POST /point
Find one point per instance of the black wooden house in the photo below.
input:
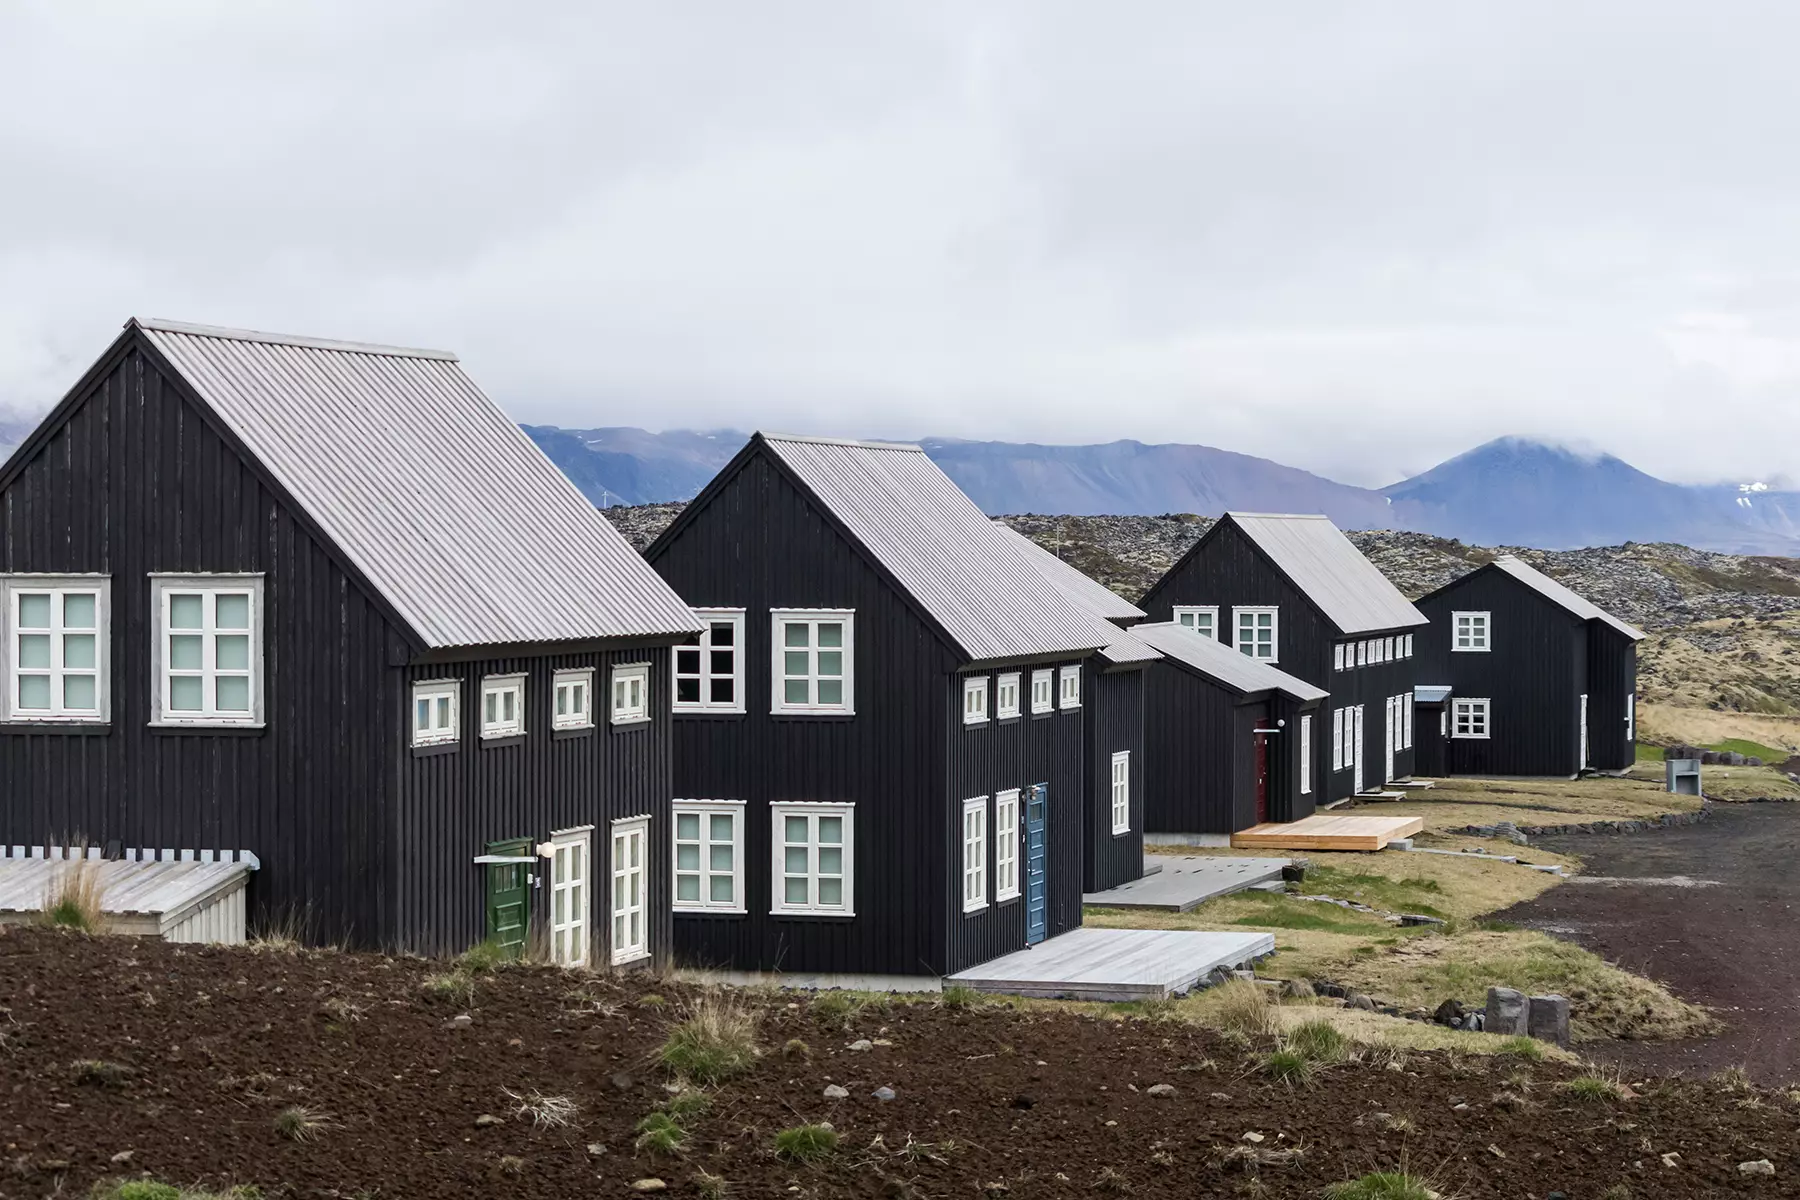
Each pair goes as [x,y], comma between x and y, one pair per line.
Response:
[325,603]
[1230,739]
[879,760]
[1522,676]
[1293,591]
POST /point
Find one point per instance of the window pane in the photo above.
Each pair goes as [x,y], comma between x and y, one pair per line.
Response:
[687,660]
[831,691]
[723,633]
[720,830]
[794,830]
[79,612]
[831,830]
[443,713]
[795,663]
[78,651]
[723,661]
[831,860]
[687,887]
[831,892]
[687,826]
[421,714]
[831,662]
[562,700]
[720,857]
[687,691]
[721,889]
[509,704]
[78,692]
[798,634]
[232,611]
[34,611]
[831,633]
[185,652]
[687,857]
[795,860]
[797,691]
[233,693]
[34,691]
[794,891]
[490,707]
[233,651]
[186,612]
[724,691]
[34,651]
[185,693]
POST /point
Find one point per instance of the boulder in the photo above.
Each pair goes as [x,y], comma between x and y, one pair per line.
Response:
[1450,1013]
[1548,1020]
[1507,1012]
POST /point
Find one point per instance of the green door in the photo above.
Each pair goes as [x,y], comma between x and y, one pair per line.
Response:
[509,896]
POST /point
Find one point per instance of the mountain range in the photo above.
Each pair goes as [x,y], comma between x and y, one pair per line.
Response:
[1510,491]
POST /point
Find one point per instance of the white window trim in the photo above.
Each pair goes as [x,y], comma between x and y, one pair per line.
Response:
[618,954]
[1068,691]
[580,844]
[1256,610]
[778,618]
[1121,795]
[162,585]
[1337,657]
[1487,717]
[1048,704]
[1406,722]
[625,673]
[710,617]
[1337,739]
[1003,710]
[1209,611]
[1487,632]
[1408,640]
[1631,716]
[434,690]
[10,587]
[1306,756]
[584,719]
[500,729]
[975,700]
[1006,845]
[1362,654]
[974,841]
[705,810]
[778,812]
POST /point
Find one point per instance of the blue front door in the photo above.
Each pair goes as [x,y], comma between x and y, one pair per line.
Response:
[1036,878]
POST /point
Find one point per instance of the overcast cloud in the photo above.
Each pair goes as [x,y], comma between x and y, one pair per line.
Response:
[1353,238]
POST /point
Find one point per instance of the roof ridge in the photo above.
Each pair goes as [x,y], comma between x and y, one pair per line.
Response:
[1279,516]
[907,447]
[286,339]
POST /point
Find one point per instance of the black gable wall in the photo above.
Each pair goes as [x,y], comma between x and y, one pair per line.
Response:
[137,482]
[1115,722]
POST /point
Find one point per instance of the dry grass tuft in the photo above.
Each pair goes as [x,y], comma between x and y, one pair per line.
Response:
[716,1040]
[1238,1006]
[297,1123]
[94,1072]
[806,1143]
[544,1112]
[72,899]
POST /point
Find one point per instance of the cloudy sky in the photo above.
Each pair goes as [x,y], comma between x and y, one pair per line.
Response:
[1354,238]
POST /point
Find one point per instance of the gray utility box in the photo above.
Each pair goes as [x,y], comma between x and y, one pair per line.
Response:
[1684,776]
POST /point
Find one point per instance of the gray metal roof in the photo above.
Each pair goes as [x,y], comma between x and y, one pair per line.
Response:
[1351,591]
[1574,602]
[126,888]
[461,524]
[1121,648]
[1432,693]
[1216,660]
[940,548]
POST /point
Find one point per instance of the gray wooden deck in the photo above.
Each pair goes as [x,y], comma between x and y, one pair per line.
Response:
[1185,881]
[1115,964]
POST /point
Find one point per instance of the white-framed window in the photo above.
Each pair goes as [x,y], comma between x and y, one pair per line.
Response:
[709,675]
[1201,618]
[1399,722]
[436,715]
[815,858]
[1337,657]
[975,855]
[630,854]
[574,693]
[1006,696]
[1389,649]
[1306,756]
[1257,630]
[1043,691]
[1407,651]
[1406,723]
[1468,717]
[1337,739]
[502,706]
[630,693]
[1443,722]
[1069,691]
[1121,792]
[709,856]
[975,700]
[569,899]
[55,655]
[815,660]
[207,652]
[1006,844]
[1469,631]
[1631,717]
[1362,654]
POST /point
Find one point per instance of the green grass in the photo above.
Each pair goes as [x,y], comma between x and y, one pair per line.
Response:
[484,958]
[1288,1066]
[451,987]
[716,1042]
[151,1189]
[1276,911]
[1649,753]
[1769,754]
[806,1143]
[1524,1047]
[1590,1087]
[1318,1041]
[961,996]
[1415,894]
[660,1133]
[1382,1185]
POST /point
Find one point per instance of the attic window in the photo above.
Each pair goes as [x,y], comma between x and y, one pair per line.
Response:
[631,694]
[434,720]
[207,650]
[815,660]
[502,706]
[54,655]
[1471,631]
[1071,687]
[709,676]
[1257,631]
[574,700]
[1043,691]
[1362,654]
[975,701]
[1006,696]
[1201,619]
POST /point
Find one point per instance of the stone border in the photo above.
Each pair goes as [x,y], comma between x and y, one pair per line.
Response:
[1518,833]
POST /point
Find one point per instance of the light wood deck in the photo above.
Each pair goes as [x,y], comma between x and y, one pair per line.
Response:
[1328,832]
[1115,964]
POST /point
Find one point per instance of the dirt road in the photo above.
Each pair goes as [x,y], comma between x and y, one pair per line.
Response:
[1710,911]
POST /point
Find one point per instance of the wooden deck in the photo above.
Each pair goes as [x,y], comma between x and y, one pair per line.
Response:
[1328,831]
[1115,964]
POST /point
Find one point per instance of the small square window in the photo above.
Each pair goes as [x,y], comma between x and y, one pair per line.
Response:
[574,700]
[814,660]
[435,715]
[1202,619]
[1043,691]
[55,647]
[631,694]
[1468,718]
[975,701]
[709,675]
[1257,630]
[1469,631]
[1006,696]
[502,706]
[1070,695]
[207,650]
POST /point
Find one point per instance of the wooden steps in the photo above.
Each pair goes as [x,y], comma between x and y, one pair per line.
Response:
[1328,832]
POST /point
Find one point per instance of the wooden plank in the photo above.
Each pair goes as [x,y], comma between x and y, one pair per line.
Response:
[1328,832]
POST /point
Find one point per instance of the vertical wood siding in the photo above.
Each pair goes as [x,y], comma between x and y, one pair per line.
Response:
[1115,722]
[1612,680]
[1200,754]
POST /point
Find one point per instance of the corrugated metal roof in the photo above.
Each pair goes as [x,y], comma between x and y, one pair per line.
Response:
[1322,562]
[1435,693]
[461,524]
[1216,660]
[126,888]
[941,549]
[1103,602]
[1577,604]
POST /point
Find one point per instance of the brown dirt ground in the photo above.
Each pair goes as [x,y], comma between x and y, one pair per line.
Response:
[995,1102]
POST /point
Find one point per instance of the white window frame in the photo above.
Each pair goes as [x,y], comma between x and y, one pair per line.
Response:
[620,949]
[1478,709]
[707,676]
[1479,635]
[1337,739]
[1390,649]
[577,681]
[1406,722]
[779,812]
[779,620]
[499,685]
[1273,612]
[1068,692]
[974,854]
[163,588]
[1006,696]
[1337,657]
[704,871]
[1631,716]
[1121,792]
[1305,756]
[59,588]
[1006,845]
[1197,611]
[432,691]
[1408,648]
[627,713]
[1043,692]
[1362,654]
[571,939]
[975,700]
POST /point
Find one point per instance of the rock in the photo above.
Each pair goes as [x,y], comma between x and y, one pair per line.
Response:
[462,1021]
[861,1044]
[1358,1000]
[649,1185]
[1459,1108]
[1221,1097]
[595,1149]
[1672,1159]
[1160,1089]
[1507,1012]
[883,1094]
[1419,919]
[488,1120]
[1475,1022]
[1450,1013]
[834,1092]
[1295,872]
[1255,1139]
[1548,1019]
[623,1081]
[1249,975]
[1761,1166]
[121,1158]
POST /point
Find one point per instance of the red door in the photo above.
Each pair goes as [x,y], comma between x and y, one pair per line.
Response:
[1262,778]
